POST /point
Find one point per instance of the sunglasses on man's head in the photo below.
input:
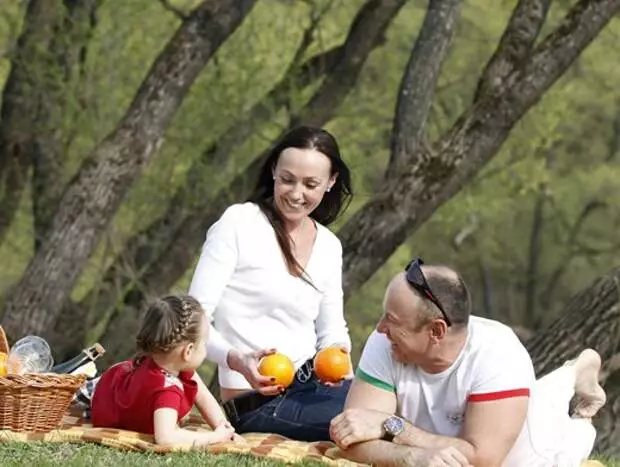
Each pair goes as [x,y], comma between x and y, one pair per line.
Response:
[416,279]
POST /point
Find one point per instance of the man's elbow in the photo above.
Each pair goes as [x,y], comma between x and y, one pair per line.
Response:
[487,459]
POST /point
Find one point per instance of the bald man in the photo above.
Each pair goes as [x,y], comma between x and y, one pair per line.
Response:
[436,386]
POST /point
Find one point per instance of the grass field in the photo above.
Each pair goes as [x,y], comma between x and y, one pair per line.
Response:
[74,455]
[46,454]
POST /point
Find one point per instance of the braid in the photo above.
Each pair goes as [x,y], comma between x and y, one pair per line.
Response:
[167,323]
[184,317]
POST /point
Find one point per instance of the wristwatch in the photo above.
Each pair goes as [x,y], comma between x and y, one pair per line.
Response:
[393,426]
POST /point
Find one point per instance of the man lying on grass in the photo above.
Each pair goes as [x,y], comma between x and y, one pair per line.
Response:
[438,387]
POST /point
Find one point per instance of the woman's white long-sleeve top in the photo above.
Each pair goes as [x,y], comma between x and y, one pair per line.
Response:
[242,280]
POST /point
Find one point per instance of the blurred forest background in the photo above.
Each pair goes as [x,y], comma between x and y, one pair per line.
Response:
[478,133]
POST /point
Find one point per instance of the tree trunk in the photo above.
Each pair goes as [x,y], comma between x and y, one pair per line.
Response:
[515,46]
[72,30]
[607,421]
[417,87]
[532,279]
[96,192]
[592,319]
[176,257]
[435,173]
[32,102]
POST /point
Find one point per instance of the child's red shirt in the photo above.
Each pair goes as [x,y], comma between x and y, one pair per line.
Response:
[127,396]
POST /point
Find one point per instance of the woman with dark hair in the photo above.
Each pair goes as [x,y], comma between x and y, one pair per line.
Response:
[270,272]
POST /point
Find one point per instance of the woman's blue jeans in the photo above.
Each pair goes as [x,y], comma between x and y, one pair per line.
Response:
[303,412]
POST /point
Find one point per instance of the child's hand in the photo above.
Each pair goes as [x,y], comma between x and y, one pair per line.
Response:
[237,438]
[224,424]
[223,433]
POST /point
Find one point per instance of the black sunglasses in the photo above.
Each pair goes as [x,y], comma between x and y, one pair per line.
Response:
[416,279]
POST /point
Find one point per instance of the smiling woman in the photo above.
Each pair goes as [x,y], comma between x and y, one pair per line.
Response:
[271,274]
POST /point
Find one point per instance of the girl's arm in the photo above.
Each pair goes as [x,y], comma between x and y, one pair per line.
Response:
[207,405]
[168,433]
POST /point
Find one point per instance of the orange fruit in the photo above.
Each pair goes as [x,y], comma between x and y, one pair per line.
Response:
[332,364]
[279,367]
[4,367]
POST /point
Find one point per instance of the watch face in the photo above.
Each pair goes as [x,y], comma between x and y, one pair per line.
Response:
[394,425]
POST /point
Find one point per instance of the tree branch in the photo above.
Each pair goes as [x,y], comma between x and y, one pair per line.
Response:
[365,34]
[589,209]
[97,190]
[516,43]
[180,14]
[417,88]
[614,140]
[437,173]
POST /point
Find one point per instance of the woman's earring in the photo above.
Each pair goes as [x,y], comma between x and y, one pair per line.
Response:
[328,189]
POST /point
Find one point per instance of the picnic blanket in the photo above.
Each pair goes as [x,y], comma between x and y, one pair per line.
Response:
[75,429]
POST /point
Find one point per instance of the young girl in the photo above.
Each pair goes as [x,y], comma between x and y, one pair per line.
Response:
[154,391]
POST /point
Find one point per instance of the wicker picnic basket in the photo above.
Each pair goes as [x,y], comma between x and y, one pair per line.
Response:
[34,402]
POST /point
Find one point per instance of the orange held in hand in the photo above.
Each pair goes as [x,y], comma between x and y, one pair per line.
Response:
[332,364]
[279,367]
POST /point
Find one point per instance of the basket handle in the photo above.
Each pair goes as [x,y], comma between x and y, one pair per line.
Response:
[4,344]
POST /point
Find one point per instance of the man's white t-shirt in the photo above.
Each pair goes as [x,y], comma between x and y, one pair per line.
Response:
[493,365]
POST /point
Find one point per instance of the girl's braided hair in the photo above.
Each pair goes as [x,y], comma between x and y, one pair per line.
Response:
[167,323]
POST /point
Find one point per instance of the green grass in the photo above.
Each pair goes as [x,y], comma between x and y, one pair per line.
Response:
[79,455]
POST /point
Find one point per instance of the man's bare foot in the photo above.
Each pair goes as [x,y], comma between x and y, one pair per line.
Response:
[590,395]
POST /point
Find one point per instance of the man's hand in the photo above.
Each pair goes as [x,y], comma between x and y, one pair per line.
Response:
[445,457]
[355,426]
[247,365]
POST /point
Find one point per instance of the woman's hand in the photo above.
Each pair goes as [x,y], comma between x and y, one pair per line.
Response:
[247,365]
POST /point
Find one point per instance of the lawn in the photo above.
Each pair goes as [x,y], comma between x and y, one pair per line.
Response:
[78,455]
